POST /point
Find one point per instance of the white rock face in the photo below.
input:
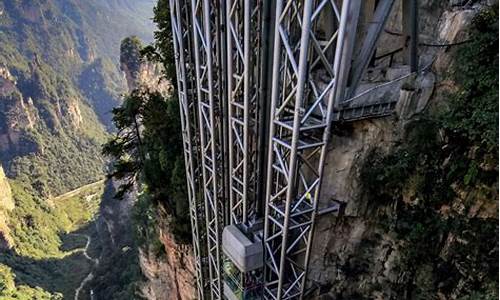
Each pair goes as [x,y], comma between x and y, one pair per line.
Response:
[6,204]
[6,201]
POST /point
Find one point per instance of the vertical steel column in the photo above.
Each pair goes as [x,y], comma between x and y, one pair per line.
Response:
[180,20]
[265,68]
[410,33]
[341,66]
[374,30]
[243,23]
[413,35]
[304,79]
[208,84]
[345,48]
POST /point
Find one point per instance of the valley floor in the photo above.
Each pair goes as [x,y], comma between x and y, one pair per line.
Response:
[64,271]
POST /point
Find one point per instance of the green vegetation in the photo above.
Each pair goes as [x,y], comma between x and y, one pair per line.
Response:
[64,58]
[148,150]
[163,50]
[9,290]
[48,237]
[60,145]
[130,54]
[119,274]
[474,113]
[445,159]
[37,223]
[146,220]
[102,86]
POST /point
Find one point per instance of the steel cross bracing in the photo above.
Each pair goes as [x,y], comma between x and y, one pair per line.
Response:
[314,74]
[306,66]
[182,38]
[207,54]
[243,21]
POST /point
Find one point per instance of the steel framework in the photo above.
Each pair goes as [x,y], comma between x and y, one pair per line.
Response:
[207,53]
[309,65]
[182,40]
[222,53]
[243,20]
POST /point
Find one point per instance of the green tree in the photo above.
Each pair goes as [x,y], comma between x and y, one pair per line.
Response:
[126,147]
[163,46]
[147,147]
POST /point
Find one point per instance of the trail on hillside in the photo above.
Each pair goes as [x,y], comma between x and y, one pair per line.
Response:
[77,191]
[90,276]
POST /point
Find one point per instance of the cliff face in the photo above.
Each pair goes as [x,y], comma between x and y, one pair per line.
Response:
[360,253]
[6,201]
[6,204]
[16,115]
[46,122]
[171,275]
[59,80]
[141,73]
[167,265]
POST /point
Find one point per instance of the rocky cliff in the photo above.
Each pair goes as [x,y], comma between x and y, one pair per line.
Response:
[6,201]
[6,205]
[395,237]
[170,275]
[59,80]
[166,263]
[140,72]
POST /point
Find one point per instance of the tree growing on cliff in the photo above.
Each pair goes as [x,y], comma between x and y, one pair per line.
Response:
[126,147]
[147,148]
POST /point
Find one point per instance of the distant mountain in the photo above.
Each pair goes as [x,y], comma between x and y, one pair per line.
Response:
[59,80]
[70,36]
[138,12]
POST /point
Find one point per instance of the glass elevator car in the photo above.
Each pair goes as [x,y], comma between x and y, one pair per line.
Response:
[243,262]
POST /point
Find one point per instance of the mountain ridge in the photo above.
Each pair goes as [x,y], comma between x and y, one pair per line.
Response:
[59,80]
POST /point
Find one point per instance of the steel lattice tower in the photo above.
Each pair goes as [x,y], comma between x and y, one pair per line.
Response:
[246,147]
[207,54]
[243,28]
[182,40]
[301,111]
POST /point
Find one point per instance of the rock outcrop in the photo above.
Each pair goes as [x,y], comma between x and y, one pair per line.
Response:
[6,204]
[6,201]
[140,72]
[16,115]
[170,275]
[353,257]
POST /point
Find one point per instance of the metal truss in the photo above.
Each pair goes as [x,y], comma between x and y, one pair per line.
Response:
[309,63]
[243,20]
[221,53]
[374,30]
[180,16]
[208,65]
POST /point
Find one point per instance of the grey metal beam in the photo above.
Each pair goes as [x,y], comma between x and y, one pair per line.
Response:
[180,20]
[305,71]
[243,19]
[208,85]
[373,34]
[226,57]
[345,48]
[410,33]
[265,68]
